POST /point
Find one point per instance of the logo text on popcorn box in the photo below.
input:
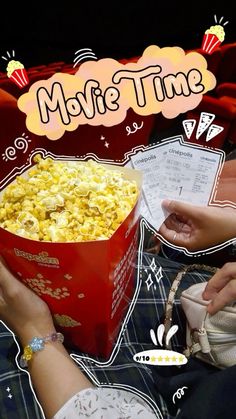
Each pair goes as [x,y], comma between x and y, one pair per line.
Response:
[163,80]
[42,258]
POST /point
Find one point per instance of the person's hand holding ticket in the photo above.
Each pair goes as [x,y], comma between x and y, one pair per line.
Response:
[195,227]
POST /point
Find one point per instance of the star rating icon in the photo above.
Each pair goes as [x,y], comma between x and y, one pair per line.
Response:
[106,144]
[166,359]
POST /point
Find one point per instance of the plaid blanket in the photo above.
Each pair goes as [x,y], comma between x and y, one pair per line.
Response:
[154,276]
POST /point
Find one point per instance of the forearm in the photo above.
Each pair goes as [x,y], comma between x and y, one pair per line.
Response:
[226,191]
[55,377]
[225,225]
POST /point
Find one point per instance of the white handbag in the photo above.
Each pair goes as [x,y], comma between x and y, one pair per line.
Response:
[210,338]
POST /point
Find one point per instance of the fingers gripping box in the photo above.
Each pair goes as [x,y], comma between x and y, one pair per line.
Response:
[87,284]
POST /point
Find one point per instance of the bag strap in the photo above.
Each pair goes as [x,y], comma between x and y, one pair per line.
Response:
[174,288]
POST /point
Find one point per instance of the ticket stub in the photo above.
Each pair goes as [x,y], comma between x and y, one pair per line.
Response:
[176,170]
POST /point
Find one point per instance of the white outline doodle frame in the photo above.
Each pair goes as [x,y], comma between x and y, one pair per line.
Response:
[77,358]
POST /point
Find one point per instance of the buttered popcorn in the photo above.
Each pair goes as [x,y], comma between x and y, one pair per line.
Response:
[67,202]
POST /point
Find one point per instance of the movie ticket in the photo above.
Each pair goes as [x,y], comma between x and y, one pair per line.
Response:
[176,170]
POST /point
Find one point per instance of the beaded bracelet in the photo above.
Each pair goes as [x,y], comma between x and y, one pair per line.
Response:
[37,344]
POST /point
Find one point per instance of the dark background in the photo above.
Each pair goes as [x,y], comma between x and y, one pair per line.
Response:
[44,32]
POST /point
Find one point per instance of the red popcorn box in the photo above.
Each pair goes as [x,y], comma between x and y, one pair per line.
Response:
[89,285]
[210,43]
[20,77]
